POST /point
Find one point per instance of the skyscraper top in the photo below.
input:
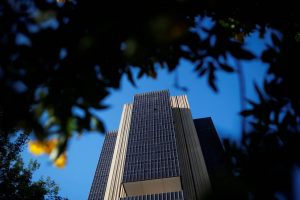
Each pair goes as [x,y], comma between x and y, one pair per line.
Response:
[152,92]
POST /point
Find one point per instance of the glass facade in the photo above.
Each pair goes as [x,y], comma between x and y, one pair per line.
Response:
[162,196]
[151,150]
[101,175]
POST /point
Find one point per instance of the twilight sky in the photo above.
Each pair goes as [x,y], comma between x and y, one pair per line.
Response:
[76,178]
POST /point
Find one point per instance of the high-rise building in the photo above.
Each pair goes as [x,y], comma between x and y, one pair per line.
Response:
[158,152]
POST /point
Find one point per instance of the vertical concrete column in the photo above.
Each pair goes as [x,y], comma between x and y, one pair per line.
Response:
[113,188]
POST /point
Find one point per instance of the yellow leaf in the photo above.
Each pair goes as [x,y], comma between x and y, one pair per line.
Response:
[50,145]
[41,147]
[36,147]
[61,161]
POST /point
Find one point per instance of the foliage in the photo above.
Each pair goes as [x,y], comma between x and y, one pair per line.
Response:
[57,58]
[48,147]
[16,179]
[61,57]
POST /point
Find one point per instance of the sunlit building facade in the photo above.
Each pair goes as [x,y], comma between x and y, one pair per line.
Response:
[159,152]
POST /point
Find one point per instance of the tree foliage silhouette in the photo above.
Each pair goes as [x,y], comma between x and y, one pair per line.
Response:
[58,57]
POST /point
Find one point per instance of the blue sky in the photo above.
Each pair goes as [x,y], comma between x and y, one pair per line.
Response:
[83,152]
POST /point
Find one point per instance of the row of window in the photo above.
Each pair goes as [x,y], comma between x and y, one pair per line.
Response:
[150,175]
[153,145]
[153,154]
[150,113]
[163,105]
[145,148]
[134,160]
[148,129]
[151,99]
[152,124]
[154,148]
[152,132]
[152,166]
[152,139]
[162,196]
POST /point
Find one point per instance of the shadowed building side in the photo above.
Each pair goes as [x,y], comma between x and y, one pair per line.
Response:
[195,178]
[213,151]
[103,168]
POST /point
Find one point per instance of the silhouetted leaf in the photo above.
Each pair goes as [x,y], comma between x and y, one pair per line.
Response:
[275,39]
[246,113]
[226,68]
[268,55]
[172,64]
[100,126]
[101,106]
[202,71]
[141,73]
[212,77]
[130,77]
[258,91]
[237,51]
[244,54]
[252,103]
[199,65]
